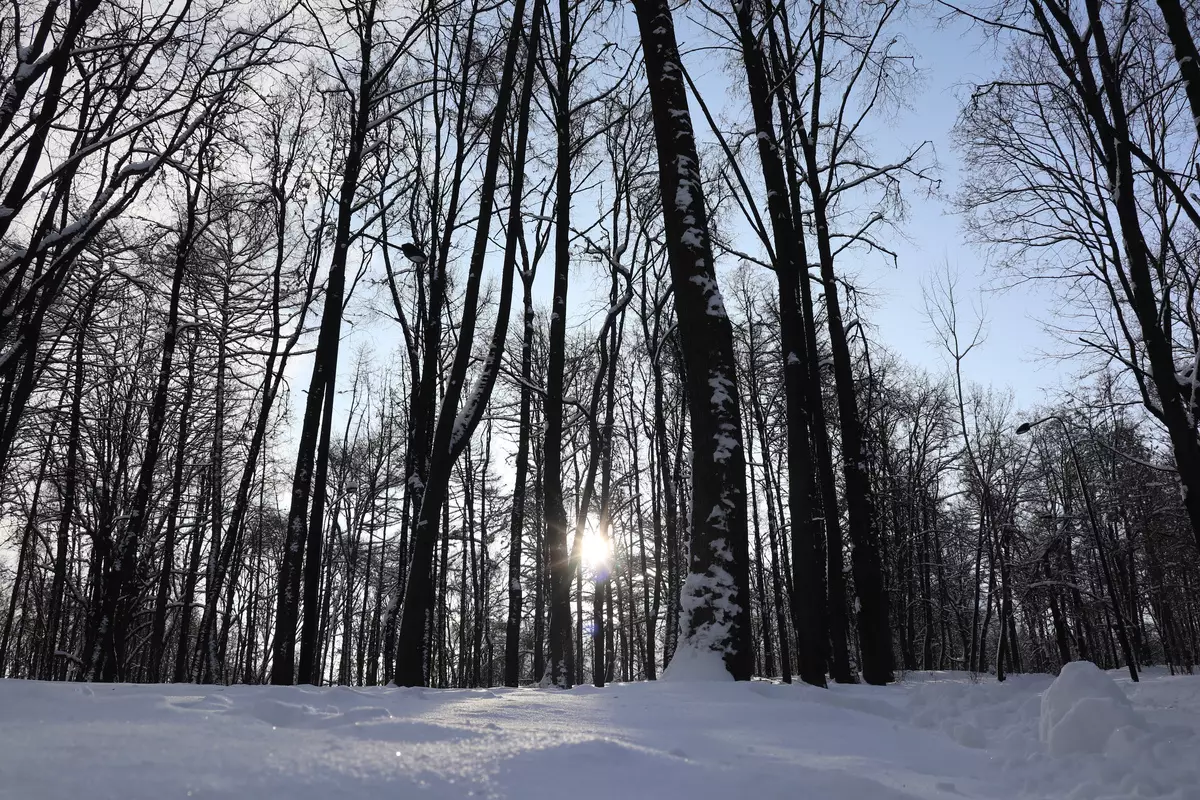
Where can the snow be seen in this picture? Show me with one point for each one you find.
(723, 389)
(725, 445)
(139, 167)
(694, 735)
(465, 419)
(695, 664)
(69, 232)
(1082, 709)
(714, 305)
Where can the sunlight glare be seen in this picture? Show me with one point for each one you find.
(597, 549)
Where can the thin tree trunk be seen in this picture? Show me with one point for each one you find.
(159, 625)
(108, 662)
(512, 632)
(70, 496)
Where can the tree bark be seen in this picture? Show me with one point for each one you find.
(716, 596)
(790, 269)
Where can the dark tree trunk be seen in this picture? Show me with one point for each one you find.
(562, 665)
(190, 576)
(314, 437)
(512, 632)
(837, 622)
(1186, 56)
(716, 595)
(158, 626)
(785, 649)
(21, 578)
(873, 628)
(69, 497)
(117, 601)
(790, 268)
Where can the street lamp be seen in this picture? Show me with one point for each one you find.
(1126, 650)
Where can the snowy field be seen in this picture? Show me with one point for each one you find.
(936, 736)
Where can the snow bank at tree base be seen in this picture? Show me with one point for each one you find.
(934, 736)
(696, 664)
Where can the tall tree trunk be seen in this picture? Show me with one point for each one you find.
(190, 576)
(562, 667)
(273, 376)
(541, 577)
(790, 112)
(314, 437)
(158, 625)
(24, 566)
(790, 269)
(210, 669)
(785, 650)
(873, 628)
(70, 494)
(512, 630)
(716, 596)
(649, 667)
(423, 401)
(602, 584)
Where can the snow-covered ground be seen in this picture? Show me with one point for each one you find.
(933, 737)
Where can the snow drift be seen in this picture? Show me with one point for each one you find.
(1082, 709)
(939, 736)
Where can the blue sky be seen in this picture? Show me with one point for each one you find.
(952, 57)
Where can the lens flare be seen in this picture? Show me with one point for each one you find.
(597, 549)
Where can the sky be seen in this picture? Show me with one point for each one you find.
(952, 58)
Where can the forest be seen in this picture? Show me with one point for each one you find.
(472, 343)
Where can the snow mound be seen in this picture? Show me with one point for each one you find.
(696, 664)
(1082, 709)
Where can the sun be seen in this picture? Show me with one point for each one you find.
(596, 547)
